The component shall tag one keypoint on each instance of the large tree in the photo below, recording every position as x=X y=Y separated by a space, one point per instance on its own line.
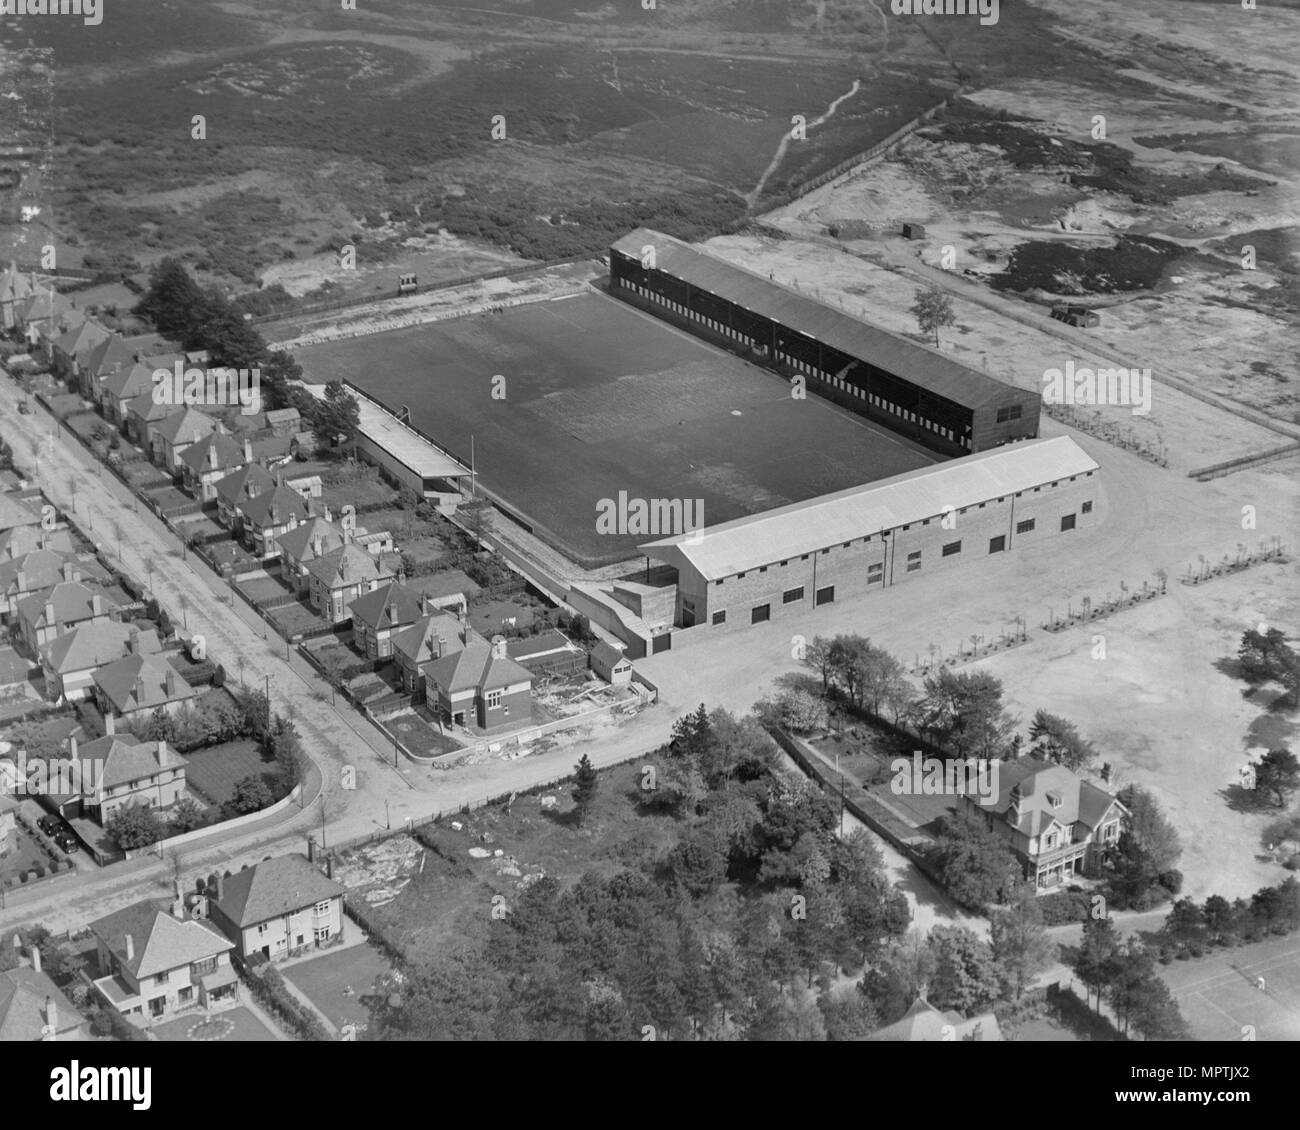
x=975 y=866
x=336 y=418
x=965 y=976
x=1019 y=940
x=585 y=783
x=933 y=310
x=1093 y=964
x=963 y=713
x=135 y=826
x=1056 y=739
x=1278 y=773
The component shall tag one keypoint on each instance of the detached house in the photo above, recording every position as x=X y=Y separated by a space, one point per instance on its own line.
x=172 y=435
x=140 y=684
x=206 y=462
x=119 y=388
x=70 y=662
x=143 y=414
x=40 y=569
x=923 y=1023
x=71 y=350
x=33 y=1008
x=234 y=490
x=43 y=316
x=22 y=540
x=110 y=356
x=431 y=637
x=380 y=615
x=338 y=578
x=304 y=544
x=1057 y=824
x=45 y=616
x=480 y=686
x=130 y=772
x=268 y=515
x=14 y=513
x=154 y=964
x=278 y=908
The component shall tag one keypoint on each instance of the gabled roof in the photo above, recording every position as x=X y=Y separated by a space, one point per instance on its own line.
x=188 y=426
x=608 y=654
x=924 y=1022
x=147 y=409
x=162 y=943
x=81 y=339
x=1034 y=782
x=297 y=543
x=391 y=606
x=850 y=515
x=96 y=644
x=110 y=355
x=287 y=502
x=73 y=602
x=129 y=381
x=249 y=481
x=47 y=303
x=544 y=643
x=40 y=569
x=447 y=582
x=918 y=364
x=217 y=451
x=24 y=995
x=420 y=642
x=139 y=682
x=13 y=512
x=125 y=759
x=274 y=888
x=21 y=540
x=15 y=284
x=475 y=667
x=347 y=565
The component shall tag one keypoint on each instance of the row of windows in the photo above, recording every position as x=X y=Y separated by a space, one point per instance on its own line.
x=1012 y=412
x=761 y=613
x=1021 y=528
x=687 y=312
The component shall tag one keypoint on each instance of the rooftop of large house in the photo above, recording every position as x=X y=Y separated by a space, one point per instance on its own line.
x=20 y=540
x=109 y=356
x=1046 y=792
x=275 y=507
x=189 y=425
x=925 y=1023
x=70 y=602
x=96 y=644
x=142 y=682
x=430 y=637
x=274 y=888
x=347 y=564
x=25 y=997
x=216 y=452
x=158 y=942
x=37 y=570
x=129 y=381
x=145 y=407
x=316 y=536
x=125 y=759
x=244 y=484
x=389 y=606
x=81 y=339
x=478 y=665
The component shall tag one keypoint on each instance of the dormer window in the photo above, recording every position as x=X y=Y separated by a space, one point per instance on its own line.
x=1054 y=799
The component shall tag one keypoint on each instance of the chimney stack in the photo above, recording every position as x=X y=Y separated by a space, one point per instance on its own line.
x=69 y=572
x=499 y=647
x=51 y=1018
x=36 y=958
x=21 y=578
x=138 y=689
x=133 y=642
x=110 y=724
x=171 y=682
x=248 y=450
x=178 y=903
x=72 y=746
x=221 y=887
x=97 y=604
x=130 y=948
x=49 y=614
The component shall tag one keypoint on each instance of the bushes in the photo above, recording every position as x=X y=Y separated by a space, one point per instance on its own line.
x=1062 y=907
x=269 y=990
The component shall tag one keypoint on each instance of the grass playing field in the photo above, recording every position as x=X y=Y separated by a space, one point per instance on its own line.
x=1221 y=1000
x=599 y=398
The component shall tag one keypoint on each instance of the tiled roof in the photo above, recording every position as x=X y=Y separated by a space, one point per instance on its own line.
x=346 y=565
x=916 y=363
x=607 y=654
x=274 y=888
x=1033 y=780
x=139 y=682
x=390 y=606
x=288 y=502
x=15 y=513
x=96 y=644
x=147 y=409
x=73 y=601
x=22 y=540
x=129 y=381
x=848 y=515
x=162 y=943
x=188 y=426
x=217 y=451
x=251 y=479
x=925 y=1023
x=109 y=355
x=297 y=543
x=40 y=569
x=81 y=339
x=447 y=582
x=475 y=667
x=530 y=647
x=125 y=759
x=419 y=643
x=24 y=995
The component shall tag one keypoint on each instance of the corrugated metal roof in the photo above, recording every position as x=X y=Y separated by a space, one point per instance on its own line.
x=913 y=362
x=832 y=519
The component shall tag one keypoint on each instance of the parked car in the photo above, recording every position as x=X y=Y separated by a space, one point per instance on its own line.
x=24 y=409
x=51 y=825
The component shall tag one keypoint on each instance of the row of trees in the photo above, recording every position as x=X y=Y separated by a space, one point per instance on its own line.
x=1191 y=927
x=1124 y=973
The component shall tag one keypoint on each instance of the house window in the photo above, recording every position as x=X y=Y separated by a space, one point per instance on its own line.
x=763 y=569
x=493 y=699
x=720 y=617
x=161 y=979
x=759 y=613
x=1086 y=508
x=322 y=934
x=1049 y=841
x=998 y=544
x=322 y=908
x=914 y=561
x=1025 y=526
x=792 y=595
x=204 y=967
x=263 y=928
x=185 y=995
x=1067 y=522
x=952 y=549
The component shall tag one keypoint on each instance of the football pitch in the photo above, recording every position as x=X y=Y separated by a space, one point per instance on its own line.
x=572 y=401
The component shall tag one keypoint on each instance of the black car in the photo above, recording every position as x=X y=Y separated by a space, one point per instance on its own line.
x=51 y=825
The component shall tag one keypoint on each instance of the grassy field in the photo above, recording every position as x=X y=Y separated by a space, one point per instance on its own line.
x=237 y=1024
x=325 y=980
x=214 y=772
x=599 y=399
x=1219 y=997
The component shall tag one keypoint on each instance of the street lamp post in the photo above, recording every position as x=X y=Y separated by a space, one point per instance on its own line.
x=388 y=821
